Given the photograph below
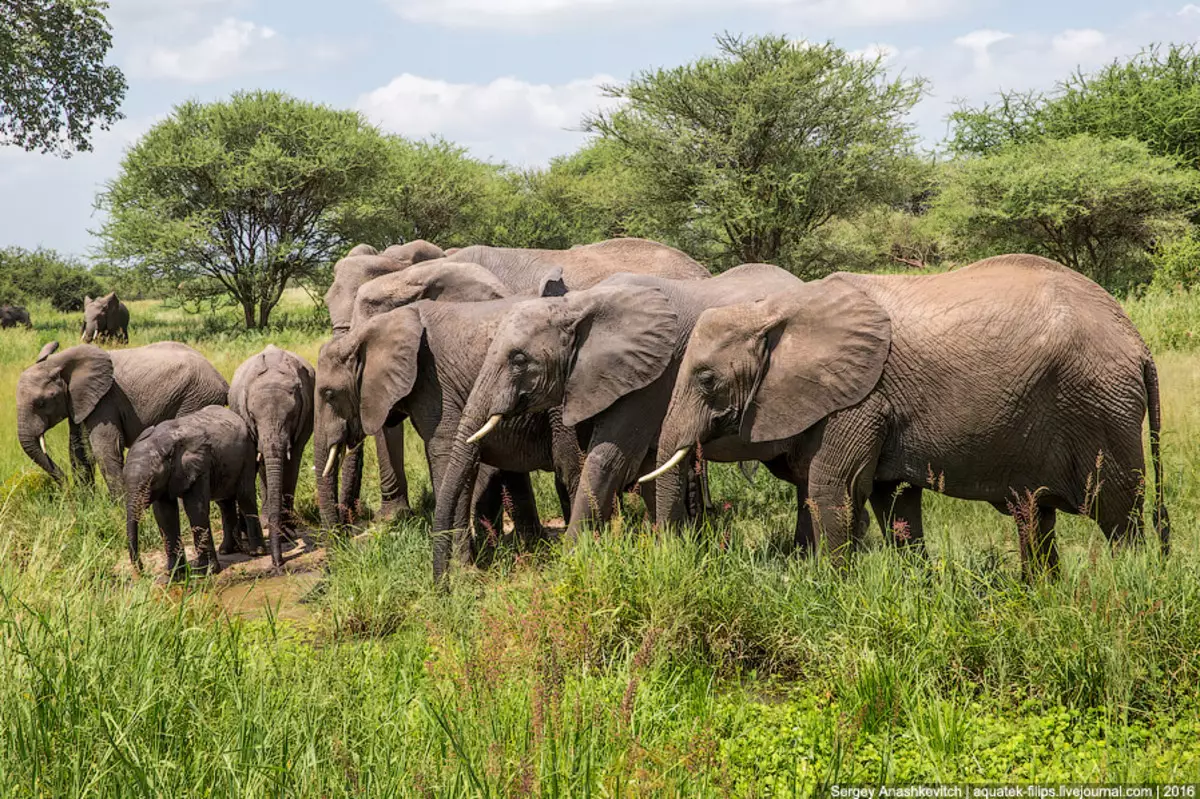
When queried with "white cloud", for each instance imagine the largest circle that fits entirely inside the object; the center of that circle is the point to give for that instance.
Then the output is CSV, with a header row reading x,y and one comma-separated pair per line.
x,y
979,42
1077,43
232,47
506,119
549,13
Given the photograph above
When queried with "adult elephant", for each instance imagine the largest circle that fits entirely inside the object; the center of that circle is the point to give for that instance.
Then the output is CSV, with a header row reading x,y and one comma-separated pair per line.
x,y
419,362
105,317
525,271
435,280
1014,380
272,392
13,315
362,264
109,397
608,355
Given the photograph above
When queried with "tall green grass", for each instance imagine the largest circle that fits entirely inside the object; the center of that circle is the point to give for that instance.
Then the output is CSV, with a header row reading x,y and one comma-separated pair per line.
x,y
631,664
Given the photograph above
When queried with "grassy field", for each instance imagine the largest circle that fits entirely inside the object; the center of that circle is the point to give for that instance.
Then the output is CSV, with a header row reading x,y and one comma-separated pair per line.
x,y
632,664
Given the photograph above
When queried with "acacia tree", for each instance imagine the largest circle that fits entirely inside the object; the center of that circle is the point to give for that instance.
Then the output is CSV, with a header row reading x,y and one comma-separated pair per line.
x,y
1096,205
229,202
54,84
754,149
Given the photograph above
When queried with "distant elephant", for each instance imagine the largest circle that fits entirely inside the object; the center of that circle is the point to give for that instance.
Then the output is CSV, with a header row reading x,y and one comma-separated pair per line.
x,y
273,394
362,264
105,317
13,315
420,362
608,355
524,271
202,457
109,397
1014,381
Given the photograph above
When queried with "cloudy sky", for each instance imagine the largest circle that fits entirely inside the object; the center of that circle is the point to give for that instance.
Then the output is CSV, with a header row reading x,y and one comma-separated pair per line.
x,y
510,78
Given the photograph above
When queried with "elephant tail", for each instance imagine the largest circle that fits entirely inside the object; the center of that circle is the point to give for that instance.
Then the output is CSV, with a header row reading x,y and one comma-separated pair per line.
x,y
1154,408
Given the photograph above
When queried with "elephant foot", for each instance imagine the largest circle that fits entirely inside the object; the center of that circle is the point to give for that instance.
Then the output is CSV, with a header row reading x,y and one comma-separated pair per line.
x,y
395,509
205,565
230,545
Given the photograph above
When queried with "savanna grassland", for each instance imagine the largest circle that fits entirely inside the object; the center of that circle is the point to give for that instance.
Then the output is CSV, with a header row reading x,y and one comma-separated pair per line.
x,y
632,664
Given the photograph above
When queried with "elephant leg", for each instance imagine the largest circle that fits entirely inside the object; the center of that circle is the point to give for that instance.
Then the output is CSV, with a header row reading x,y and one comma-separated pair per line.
x,y
649,491
521,506
841,478
606,469
349,507
489,518
81,462
166,513
897,508
393,481
196,506
291,476
232,534
1039,553
564,498
105,440
247,507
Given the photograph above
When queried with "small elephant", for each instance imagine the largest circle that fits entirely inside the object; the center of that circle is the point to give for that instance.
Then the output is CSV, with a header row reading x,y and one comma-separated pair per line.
x,y
273,394
109,398
420,361
362,264
13,315
202,457
1015,381
608,355
105,317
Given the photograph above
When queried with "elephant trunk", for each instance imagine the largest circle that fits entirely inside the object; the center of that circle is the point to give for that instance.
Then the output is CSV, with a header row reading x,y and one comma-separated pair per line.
x,y
273,467
326,465
675,442
31,434
138,498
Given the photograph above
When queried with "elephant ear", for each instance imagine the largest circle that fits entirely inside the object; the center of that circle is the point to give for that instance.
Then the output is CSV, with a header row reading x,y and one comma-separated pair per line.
x,y
47,351
552,284
458,282
823,349
624,338
88,371
388,350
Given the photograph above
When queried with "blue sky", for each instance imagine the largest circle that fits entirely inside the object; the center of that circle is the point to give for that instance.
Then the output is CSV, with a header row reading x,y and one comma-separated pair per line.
x,y
510,78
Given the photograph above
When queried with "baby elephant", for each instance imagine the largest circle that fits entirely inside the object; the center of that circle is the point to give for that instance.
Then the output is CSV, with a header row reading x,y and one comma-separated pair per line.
x,y
105,317
273,394
199,458
13,315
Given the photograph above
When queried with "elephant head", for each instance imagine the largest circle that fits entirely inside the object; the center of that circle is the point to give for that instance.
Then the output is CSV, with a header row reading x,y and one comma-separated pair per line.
x,y
273,393
769,370
59,385
364,263
147,472
98,314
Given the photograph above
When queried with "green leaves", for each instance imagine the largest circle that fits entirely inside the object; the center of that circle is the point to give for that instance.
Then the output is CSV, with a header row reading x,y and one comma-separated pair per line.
x,y
54,84
756,148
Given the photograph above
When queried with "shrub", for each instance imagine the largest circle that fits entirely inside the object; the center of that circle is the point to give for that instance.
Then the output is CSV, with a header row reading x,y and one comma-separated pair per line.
x,y
1177,263
43,274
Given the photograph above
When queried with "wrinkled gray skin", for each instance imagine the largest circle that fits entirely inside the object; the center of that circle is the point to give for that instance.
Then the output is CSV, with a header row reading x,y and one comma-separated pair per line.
x,y
337,424
608,355
420,361
109,398
362,264
105,317
13,315
206,456
273,394
525,271
1014,381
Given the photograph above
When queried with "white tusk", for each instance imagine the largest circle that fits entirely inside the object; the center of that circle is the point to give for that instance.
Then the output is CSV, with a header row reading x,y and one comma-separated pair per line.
x,y
492,421
259,458
42,442
679,455
332,460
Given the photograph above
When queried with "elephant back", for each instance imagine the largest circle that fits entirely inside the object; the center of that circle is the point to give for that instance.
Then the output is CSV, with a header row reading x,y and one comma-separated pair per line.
x,y
167,379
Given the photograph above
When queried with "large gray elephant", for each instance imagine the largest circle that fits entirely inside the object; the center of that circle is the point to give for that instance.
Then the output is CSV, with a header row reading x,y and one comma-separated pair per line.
x,y
13,315
273,394
202,457
1014,380
420,362
608,355
105,317
109,397
525,271
362,264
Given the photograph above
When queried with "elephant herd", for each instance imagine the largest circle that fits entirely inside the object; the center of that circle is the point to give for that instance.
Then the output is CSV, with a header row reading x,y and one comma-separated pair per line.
x,y
1014,380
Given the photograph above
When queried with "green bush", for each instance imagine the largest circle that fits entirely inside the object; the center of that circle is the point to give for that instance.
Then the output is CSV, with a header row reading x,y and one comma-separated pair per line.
x,y
1177,263
41,274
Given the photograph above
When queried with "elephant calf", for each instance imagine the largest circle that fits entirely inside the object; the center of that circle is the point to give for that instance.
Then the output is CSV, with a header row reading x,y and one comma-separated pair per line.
x,y
13,315
109,397
206,456
273,394
105,317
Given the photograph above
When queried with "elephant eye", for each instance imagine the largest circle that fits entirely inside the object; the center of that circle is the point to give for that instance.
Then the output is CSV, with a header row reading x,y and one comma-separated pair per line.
x,y
327,394
518,358
706,380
